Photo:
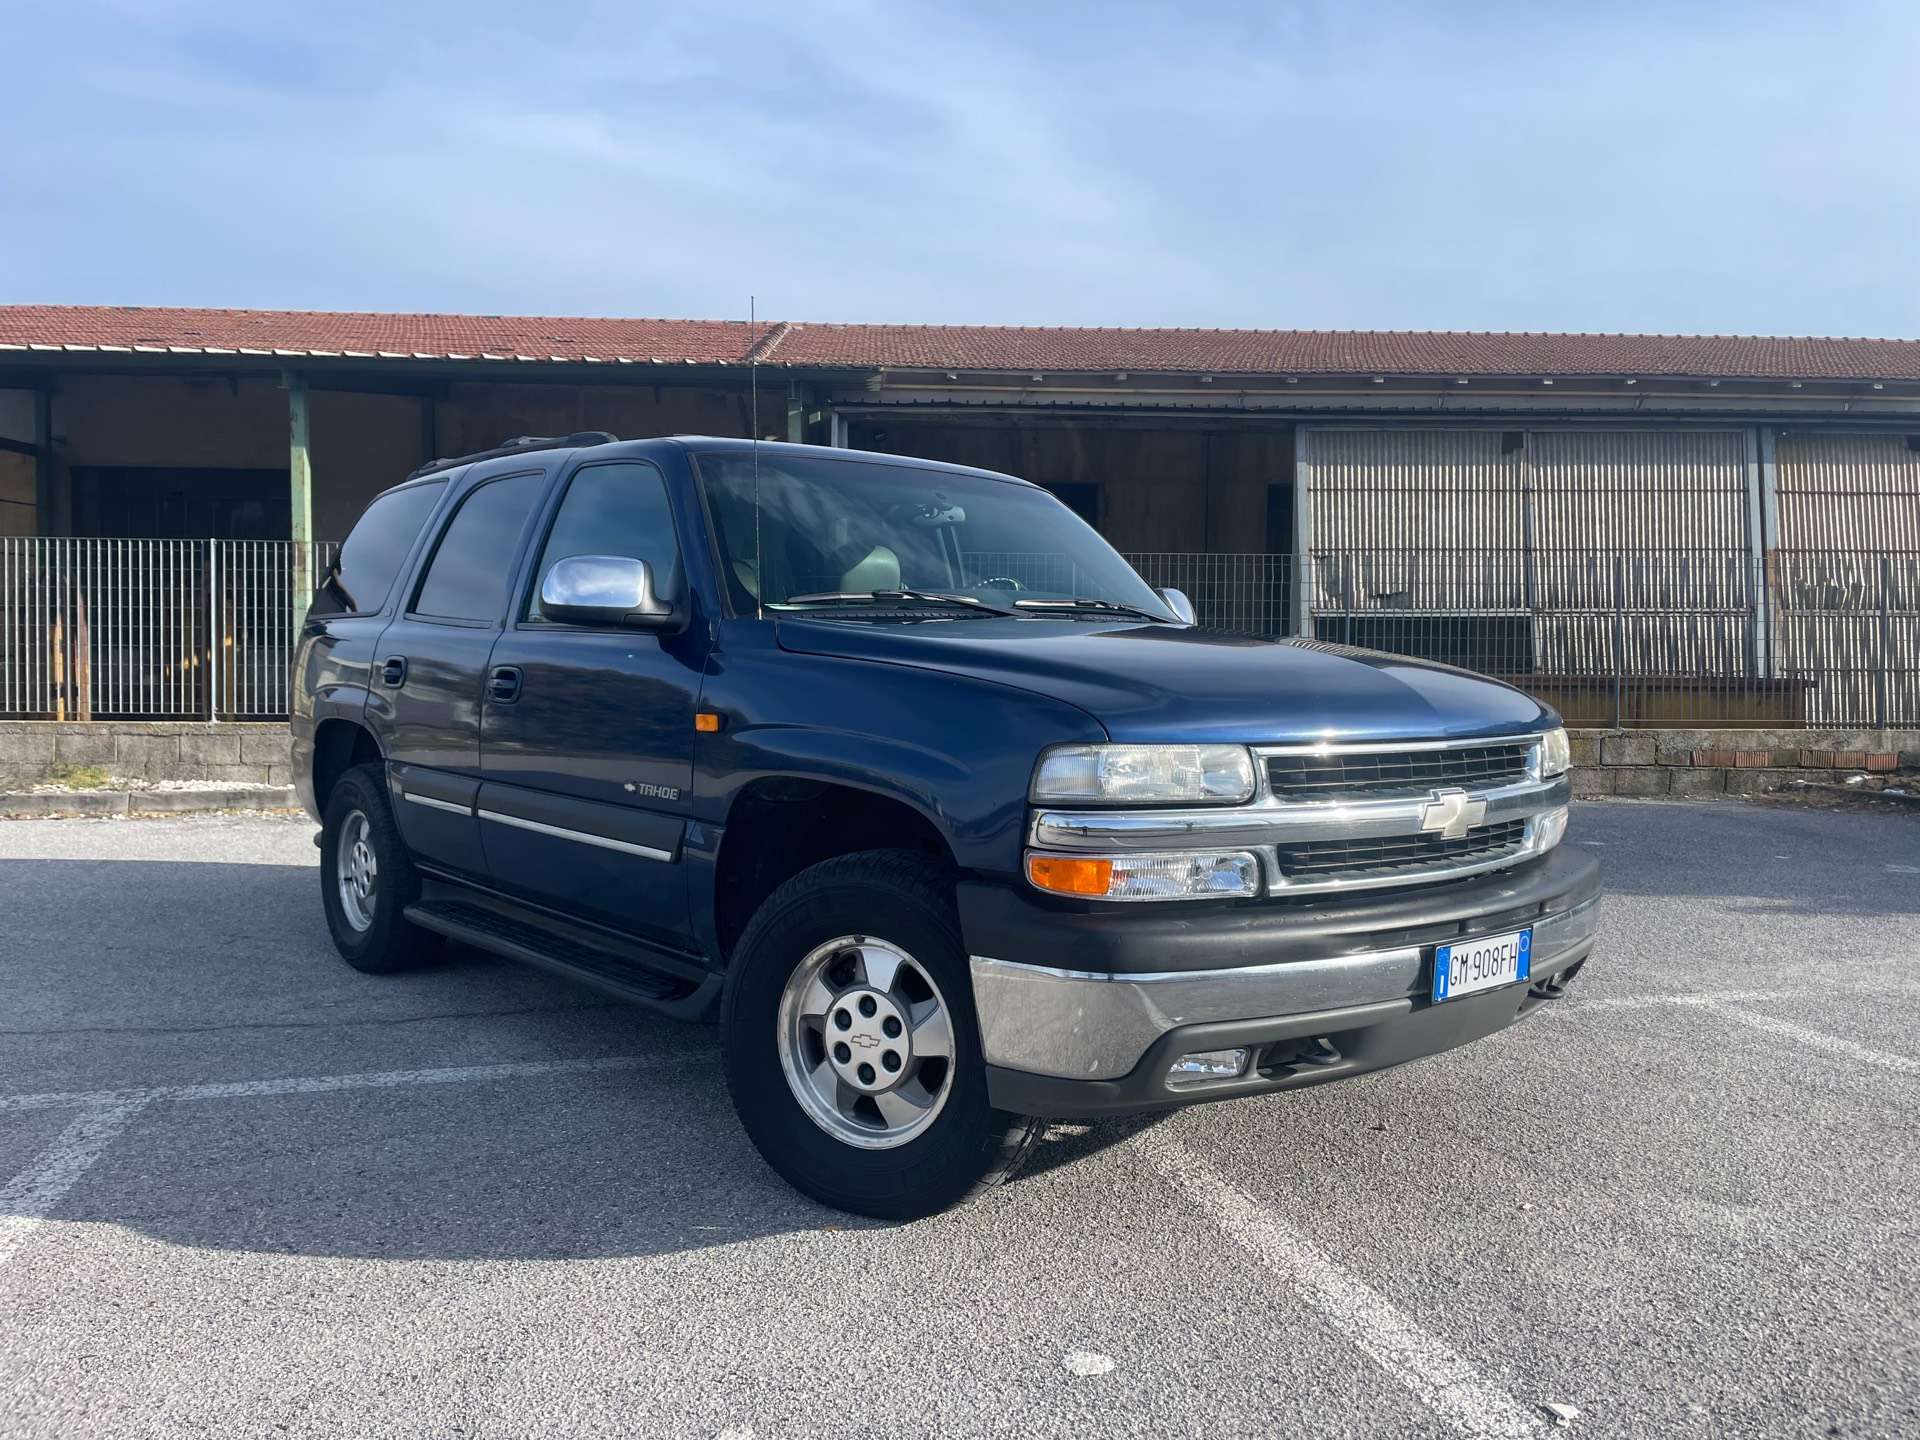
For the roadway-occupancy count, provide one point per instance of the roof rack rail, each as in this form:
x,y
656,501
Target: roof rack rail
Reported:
x,y
519,445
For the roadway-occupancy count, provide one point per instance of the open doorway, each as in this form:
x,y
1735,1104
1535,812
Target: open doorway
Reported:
x,y
156,503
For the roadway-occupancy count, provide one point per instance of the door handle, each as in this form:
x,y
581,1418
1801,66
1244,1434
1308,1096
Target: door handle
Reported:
x,y
503,684
394,671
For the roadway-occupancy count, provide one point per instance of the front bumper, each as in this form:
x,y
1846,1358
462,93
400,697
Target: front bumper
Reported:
x,y
1082,1011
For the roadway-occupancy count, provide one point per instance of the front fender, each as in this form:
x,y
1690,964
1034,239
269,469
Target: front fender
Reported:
x,y
958,750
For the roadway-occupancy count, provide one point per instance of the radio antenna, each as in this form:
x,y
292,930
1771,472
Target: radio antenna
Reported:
x,y
753,406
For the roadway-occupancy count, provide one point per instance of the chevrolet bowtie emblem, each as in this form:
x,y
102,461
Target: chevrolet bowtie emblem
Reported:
x,y
1452,813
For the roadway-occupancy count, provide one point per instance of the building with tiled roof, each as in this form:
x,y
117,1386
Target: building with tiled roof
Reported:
x,y
1660,503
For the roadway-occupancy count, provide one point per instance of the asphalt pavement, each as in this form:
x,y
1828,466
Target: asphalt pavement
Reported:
x,y
245,1191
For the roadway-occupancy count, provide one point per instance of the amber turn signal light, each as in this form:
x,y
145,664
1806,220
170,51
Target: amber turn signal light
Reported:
x,y
1066,875
707,722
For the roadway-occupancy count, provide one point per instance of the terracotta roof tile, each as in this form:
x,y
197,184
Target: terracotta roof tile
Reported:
x,y
303,332
537,339
1345,352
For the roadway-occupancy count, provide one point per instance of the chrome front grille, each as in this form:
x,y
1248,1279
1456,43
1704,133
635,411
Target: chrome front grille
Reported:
x,y
1342,775
1339,817
1401,853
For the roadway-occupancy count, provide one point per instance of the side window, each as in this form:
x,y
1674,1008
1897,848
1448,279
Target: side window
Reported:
x,y
614,509
371,556
468,576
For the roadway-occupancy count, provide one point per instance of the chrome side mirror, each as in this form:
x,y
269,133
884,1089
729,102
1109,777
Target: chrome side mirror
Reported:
x,y
1181,606
603,590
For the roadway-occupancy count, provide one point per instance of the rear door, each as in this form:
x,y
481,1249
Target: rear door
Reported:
x,y
587,737
431,665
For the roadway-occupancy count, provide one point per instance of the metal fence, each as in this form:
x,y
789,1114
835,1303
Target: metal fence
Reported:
x,y
201,629
146,629
1626,638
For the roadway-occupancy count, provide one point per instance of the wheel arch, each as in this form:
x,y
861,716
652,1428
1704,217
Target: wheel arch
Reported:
x,y
780,825
339,744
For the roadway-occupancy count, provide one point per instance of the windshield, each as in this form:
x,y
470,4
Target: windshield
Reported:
x,y
833,528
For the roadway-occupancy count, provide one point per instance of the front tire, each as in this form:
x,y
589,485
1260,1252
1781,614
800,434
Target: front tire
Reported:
x,y
367,879
852,1050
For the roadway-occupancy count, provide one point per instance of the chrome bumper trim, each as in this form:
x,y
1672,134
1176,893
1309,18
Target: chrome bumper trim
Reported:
x,y
1084,1025
1276,822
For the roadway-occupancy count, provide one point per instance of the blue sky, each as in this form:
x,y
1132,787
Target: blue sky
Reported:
x,y
1669,167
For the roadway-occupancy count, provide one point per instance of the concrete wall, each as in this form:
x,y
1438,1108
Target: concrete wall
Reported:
x,y
34,750
1682,763
1706,763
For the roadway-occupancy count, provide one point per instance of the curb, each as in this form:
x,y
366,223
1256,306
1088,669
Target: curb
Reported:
x,y
146,802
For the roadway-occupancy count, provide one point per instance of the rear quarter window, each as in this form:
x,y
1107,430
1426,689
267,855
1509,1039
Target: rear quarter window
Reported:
x,y
371,556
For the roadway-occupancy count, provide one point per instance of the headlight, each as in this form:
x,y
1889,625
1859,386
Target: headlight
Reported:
x,y
1164,875
1555,755
1145,774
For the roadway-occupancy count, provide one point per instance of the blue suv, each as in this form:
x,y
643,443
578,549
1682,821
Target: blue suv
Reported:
x,y
902,774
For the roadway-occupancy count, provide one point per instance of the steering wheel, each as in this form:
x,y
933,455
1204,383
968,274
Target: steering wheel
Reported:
x,y
1001,582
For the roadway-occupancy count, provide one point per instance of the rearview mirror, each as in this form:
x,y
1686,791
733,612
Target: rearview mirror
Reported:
x,y
1178,602
603,590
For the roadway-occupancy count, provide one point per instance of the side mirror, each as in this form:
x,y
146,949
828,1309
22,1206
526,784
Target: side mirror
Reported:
x,y
603,590
1181,606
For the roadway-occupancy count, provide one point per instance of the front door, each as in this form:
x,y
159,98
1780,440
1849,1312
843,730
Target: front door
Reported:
x,y
587,735
431,665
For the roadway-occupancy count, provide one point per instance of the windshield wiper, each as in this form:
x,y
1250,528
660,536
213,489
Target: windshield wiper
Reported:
x,y
868,597
1087,602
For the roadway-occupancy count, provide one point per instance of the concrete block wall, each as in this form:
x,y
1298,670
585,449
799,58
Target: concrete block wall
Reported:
x,y
1701,763
35,750
1680,763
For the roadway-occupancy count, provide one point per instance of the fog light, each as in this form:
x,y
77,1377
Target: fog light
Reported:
x,y
1550,829
1207,1067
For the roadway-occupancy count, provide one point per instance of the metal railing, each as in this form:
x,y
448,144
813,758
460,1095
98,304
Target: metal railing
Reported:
x,y
146,629
200,629
1631,638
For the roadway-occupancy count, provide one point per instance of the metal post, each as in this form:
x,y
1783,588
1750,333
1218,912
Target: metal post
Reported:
x,y
1302,518
796,416
1763,520
1619,634
213,631
300,477
1886,642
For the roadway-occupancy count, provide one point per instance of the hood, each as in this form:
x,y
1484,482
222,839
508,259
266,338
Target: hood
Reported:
x,y
1166,683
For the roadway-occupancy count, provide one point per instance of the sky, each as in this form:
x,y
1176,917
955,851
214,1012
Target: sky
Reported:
x,y
1669,167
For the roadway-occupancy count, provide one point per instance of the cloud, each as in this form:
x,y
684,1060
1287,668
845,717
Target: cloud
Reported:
x,y
1384,165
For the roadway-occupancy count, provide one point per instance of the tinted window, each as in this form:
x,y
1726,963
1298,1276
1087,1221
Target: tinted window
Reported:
x,y
618,509
372,554
468,575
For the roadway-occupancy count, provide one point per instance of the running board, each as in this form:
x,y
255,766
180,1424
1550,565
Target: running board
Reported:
x,y
626,970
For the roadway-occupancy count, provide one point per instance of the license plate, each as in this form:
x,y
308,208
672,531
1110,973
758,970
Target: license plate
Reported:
x,y
1480,964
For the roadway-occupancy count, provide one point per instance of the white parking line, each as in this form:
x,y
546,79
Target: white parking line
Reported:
x,y
318,1084
26,1200
1811,1039
1427,1366
1650,1002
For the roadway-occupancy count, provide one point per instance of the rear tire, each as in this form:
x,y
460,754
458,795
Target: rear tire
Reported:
x,y
367,879
865,947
